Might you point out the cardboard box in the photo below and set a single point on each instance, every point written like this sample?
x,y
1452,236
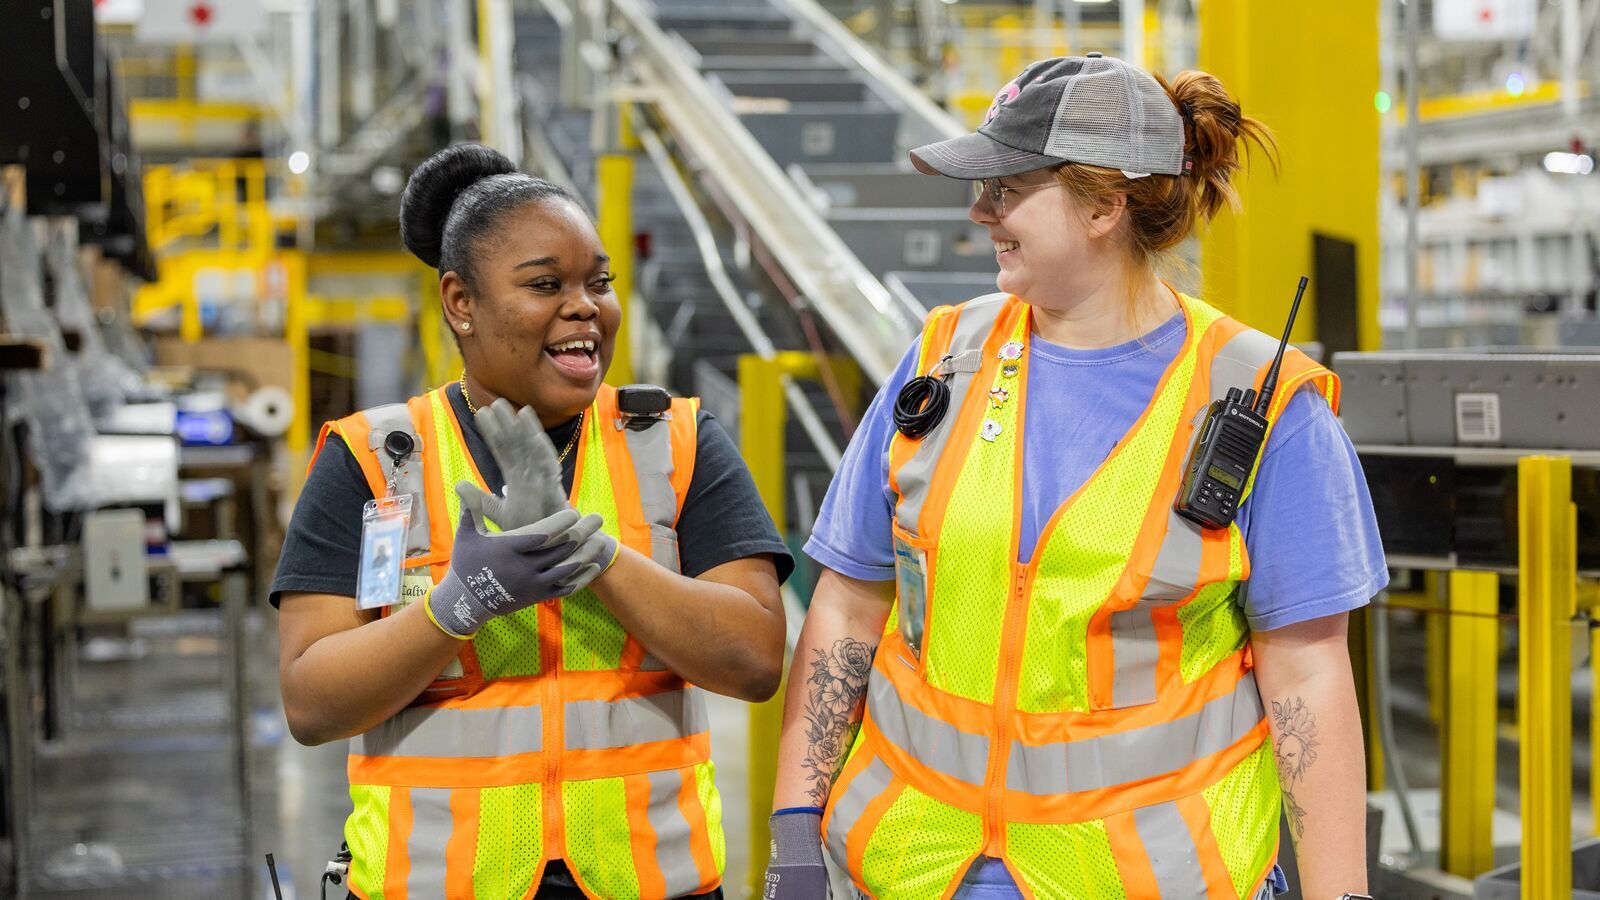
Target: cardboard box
x,y
251,362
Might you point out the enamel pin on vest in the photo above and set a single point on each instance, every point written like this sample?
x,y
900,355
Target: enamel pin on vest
x,y
1010,352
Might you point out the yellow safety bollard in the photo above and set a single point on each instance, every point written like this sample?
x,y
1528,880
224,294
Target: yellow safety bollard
x,y
1472,643
763,413
1546,604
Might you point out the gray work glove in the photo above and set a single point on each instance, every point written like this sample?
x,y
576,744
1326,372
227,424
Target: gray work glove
x,y
528,463
795,870
492,574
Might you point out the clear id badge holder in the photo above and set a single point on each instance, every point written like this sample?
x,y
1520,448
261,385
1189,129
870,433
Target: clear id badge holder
x,y
384,525
911,583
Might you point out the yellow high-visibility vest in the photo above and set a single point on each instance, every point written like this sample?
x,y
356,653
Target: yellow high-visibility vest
x,y
1090,716
555,735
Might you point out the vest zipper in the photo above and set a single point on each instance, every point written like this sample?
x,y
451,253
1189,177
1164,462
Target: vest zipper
x,y
1005,704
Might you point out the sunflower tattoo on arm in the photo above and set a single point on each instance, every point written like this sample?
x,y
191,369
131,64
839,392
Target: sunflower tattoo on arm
x,y
1297,750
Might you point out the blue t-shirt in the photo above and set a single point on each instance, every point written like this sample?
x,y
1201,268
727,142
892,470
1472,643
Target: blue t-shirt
x,y
1308,524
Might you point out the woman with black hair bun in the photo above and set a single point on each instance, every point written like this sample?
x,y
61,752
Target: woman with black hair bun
x,y
522,696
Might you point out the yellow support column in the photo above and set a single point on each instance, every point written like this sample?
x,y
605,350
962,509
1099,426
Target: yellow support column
x,y
1473,645
614,173
1546,603
1327,130
183,67
297,334
1436,668
441,360
763,413
190,328
1154,45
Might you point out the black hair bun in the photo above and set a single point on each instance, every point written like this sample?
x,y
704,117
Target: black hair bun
x,y
434,187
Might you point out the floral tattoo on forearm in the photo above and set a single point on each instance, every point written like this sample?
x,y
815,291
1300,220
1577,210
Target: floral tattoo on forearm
x,y
1297,750
834,700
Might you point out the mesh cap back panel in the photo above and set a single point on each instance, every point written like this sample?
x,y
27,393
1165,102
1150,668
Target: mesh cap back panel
x,y
1112,115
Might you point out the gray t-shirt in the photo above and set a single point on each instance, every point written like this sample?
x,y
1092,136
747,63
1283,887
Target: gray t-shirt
x,y
723,518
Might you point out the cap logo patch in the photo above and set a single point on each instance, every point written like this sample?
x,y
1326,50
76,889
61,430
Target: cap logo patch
x,y
1006,95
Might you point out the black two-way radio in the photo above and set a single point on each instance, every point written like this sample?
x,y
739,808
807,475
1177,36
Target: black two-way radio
x,y
1223,459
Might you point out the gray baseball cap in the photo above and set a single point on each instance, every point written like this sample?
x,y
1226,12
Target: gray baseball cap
x,y
1089,109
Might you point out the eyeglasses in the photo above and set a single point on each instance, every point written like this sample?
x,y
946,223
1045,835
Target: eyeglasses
x,y
996,192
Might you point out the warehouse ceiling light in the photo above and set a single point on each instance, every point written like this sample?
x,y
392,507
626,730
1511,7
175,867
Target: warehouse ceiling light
x,y
299,162
1569,163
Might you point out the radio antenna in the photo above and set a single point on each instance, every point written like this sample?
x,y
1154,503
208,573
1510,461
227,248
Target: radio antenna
x,y
1270,383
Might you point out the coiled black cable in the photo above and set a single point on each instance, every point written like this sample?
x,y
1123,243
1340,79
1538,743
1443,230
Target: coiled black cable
x,y
921,405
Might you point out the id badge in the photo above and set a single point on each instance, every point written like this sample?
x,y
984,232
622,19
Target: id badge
x,y
911,583
384,525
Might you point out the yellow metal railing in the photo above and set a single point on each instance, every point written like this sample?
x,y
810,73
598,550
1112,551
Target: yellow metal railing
x,y
162,87
216,203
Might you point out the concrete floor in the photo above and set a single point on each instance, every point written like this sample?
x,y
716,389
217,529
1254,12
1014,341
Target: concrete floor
x,y
138,797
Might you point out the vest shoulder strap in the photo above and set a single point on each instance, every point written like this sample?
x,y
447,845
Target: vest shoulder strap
x,y
963,328
661,453
1242,355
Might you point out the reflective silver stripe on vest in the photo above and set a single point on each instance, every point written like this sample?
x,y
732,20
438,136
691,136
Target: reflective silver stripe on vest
x,y
673,855
1135,652
651,451
1172,853
383,420
977,318
848,809
430,832
1236,363
653,466
602,725
1175,574
664,547
932,742
1137,754
455,733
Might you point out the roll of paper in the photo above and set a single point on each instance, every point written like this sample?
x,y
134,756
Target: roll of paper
x,y
267,411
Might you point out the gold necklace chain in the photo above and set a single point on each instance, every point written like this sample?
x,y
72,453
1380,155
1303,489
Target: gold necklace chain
x,y
577,429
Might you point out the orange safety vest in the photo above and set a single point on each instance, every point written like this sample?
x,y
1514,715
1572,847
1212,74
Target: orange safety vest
x,y
1090,717
555,735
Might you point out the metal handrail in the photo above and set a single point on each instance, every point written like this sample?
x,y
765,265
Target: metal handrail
x,y
913,99
711,257
824,271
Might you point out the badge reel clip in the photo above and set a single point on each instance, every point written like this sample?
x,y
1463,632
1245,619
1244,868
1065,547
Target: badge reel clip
x,y
385,522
